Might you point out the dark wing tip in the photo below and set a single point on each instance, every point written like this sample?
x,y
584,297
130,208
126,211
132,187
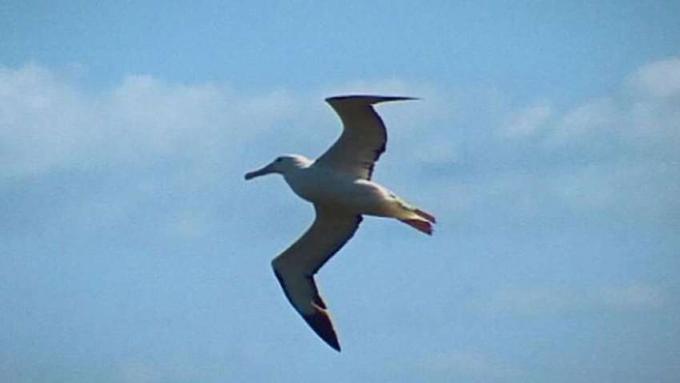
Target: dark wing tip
x,y
321,323
371,99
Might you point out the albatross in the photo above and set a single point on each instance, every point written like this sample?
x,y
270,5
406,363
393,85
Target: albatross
x,y
339,186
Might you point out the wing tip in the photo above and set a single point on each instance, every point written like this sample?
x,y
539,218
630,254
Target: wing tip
x,y
321,323
371,99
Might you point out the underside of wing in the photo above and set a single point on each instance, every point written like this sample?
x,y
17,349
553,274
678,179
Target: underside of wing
x,y
313,309
363,137
295,268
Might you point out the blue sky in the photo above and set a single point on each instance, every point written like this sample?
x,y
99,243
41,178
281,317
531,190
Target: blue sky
x,y
131,249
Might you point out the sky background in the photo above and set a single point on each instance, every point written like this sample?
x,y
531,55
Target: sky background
x,y
546,143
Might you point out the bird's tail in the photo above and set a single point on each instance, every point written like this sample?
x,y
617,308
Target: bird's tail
x,y
426,215
422,222
419,224
414,217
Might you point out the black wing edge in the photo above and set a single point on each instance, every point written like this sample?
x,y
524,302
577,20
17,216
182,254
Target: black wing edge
x,y
372,99
320,321
322,325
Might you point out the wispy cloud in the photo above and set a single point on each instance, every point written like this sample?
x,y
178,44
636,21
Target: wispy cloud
x,y
587,159
139,372
659,79
591,118
531,301
632,297
642,113
527,121
645,106
48,122
460,364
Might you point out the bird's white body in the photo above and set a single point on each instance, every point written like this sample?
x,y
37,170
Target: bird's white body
x,y
339,186
319,184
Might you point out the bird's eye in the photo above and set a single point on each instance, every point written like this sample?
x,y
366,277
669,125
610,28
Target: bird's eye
x,y
279,159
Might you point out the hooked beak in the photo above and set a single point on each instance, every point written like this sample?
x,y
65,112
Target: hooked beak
x,y
260,172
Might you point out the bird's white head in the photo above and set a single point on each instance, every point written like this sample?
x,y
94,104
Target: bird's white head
x,y
282,165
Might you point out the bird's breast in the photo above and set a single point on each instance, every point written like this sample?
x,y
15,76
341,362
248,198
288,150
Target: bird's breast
x,y
316,186
333,189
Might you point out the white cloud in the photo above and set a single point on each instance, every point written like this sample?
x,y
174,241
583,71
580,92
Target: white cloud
x,y
658,79
646,111
48,122
595,116
615,154
527,121
40,119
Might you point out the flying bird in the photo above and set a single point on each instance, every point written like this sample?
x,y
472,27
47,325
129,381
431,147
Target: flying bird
x,y
339,185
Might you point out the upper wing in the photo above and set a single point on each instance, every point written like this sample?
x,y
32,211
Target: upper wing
x,y
363,136
295,267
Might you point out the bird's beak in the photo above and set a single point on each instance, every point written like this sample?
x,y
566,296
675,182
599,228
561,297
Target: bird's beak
x,y
260,172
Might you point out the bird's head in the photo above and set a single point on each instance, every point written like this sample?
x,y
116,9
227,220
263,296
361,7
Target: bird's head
x,y
281,165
